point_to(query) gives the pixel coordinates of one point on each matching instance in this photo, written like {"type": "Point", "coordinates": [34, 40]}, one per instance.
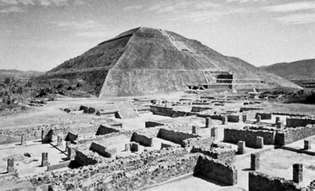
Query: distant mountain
{"type": "Point", "coordinates": [294, 71]}
{"type": "Point", "coordinates": [18, 74]}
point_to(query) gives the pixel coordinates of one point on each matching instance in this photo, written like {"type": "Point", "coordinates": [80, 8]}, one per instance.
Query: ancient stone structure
{"type": "Point", "coordinates": [68, 144]}
{"type": "Point", "coordinates": [249, 136]}
{"type": "Point", "coordinates": [121, 66]}
{"type": "Point", "coordinates": [208, 122]}
{"type": "Point", "coordinates": [290, 135]}
{"type": "Point", "coordinates": [260, 142]}
{"type": "Point", "coordinates": [194, 130]}
{"type": "Point", "coordinates": [244, 118]}
{"type": "Point", "coordinates": [44, 159]}
{"type": "Point", "coordinates": [263, 116]}
{"type": "Point", "coordinates": [224, 120]}
{"type": "Point", "coordinates": [214, 170]}
{"type": "Point", "coordinates": [233, 118]}
{"type": "Point", "coordinates": [221, 153]}
{"type": "Point", "coordinates": [214, 132]}
{"type": "Point", "coordinates": [277, 120]}
{"type": "Point", "coordinates": [149, 124]}
{"type": "Point", "coordinates": [59, 141]}
{"type": "Point", "coordinates": [175, 136]}
{"type": "Point", "coordinates": [299, 122]}
{"type": "Point", "coordinates": [101, 150]}
{"type": "Point", "coordinates": [134, 147]}
{"type": "Point", "coordinates": [71, 153]}
{"type": "Point", "coordinates": [23, 139]}
{"type": "Point", "coordinates": [71, 137]}
{"type": "Point", "coordinates": [258, 118]}
{"type": "Point", "coordinates": [307, 144]}
{"type": "Point", "coordinates": [241, 147]}
{"type": "Point", "coordinates": [10, 165]}
{"type": "Point", "coordinates": [255, 161]}
{"type": "Point", "coordinates": [104, 129]}
{"type": "Point", "coordinates": [142, 139]}
{"type": "Point", "coordinates": [261, 182]}
{"type": "Point", "coordinates": [297, 173]}
{"type": "Point", "coordinates": [48, 137]}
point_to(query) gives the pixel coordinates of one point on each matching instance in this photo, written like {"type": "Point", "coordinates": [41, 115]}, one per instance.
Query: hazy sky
{"type": "Point", "coordinates": [41, 34]}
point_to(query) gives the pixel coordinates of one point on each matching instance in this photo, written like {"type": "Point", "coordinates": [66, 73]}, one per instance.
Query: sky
{"type": "Point", "coordinates": [41, 34]}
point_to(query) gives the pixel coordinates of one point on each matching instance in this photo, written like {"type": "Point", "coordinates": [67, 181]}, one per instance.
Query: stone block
{"type": "Point", "coordinates": [297, 173]}
{"type": "Point", "coordinates": [241, 147]}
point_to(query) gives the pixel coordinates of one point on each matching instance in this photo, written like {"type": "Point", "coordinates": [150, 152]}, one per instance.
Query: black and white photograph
{"type": "Point", "coordinates": [157, 95]}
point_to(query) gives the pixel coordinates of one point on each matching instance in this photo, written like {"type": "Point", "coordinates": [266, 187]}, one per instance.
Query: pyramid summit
{"type": "Point", "coordinates": [147, 61]}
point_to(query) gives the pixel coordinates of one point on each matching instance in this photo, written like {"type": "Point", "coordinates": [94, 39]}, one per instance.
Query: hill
{"type": "Point", "coordinates": [18, 74]}
{"type": "Point", "coordinates": [301, 72]}
{"type": "Point", "coordinates": [147, 61]}
{"type": "Point", "coordinates": [298, 70]}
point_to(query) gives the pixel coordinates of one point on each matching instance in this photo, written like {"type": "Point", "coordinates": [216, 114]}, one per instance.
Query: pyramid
{"type": "Point", "coordinates": [147, 61]}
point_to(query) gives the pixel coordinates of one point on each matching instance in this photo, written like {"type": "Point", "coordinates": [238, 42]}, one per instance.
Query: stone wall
{"type": "Point", "coordinates": [223, 154]}
{"type": "Point", "coordinates": [103, 130]}
{"type": "Point", "coordinates": [58, 166]}
{"type": "Point", "coordinates": [233, 118]}
{"type": "Point", "coordinates": [71, 137]}
{"type": "Point", "coordinates": [290, 135]}
{"type": "Point", "coordinates": [262, 182]}
{"type": "Point", "coordinates": [82, 160]}
{"type": "Point", "coordinates": [124, 173]}
{"type": "Point", "coordinates": [214, 170]}
{"type": "Point", "coordinates": [141, 139]}
{"type": "Point", "coordinates": [299, 122]}
{"type": "Point", "coordinates": [34, 132]}
{"type": "Point", "coordinates": [175, 136]}
{"type": "Point", "coordinates": [101, 150]}
{"type": "Point", "coordinates": [149, 124]}
{"type": "Point", "coordinates": [249, 136]}
{"type": "Point", "coordinates": [264, 115]}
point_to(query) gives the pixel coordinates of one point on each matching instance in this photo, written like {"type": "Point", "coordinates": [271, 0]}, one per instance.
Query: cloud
{"type": "Point", "coordinates": [180, 5]}
{"type": "Point", "coordinates": [291, 7]}
{"type": "Point", "coordinates": [297, 18]}
{"type": "Point", "coordinates": [133, 7]}
{"type": "Point", "coordinates": [244, 1]}
{"type": "Point", "coordinates": [13, 9]}
{"type": "Point", "coordinates": [84, 28]}
{"type": "Point", "coordinates": [13, 6]}
{"type": "Point", "coordinates": [77, 25]}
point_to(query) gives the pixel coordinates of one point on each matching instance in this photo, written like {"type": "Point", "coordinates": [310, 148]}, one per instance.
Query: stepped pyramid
{"type": "Point", "coordinates": [148, 61]}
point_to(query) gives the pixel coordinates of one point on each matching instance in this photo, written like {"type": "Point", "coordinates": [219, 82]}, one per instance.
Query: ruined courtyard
{"type": "Point", "coordinates": [179, 141]}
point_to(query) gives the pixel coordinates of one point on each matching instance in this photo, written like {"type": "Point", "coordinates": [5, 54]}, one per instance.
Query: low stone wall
{"type": "Point", "coordinates": [71, 137]}
{"type": "Point", "coordinates": [223, 154]}
{"type": "Point", "coordinates": [142, 139]}
{"type": "Point", "coordinates": [170, 112]}
{"type": "Point", "coordinates": [82, 160]}
{"type": "Point", "coordinates": [214, 117]}
{"type": "Point", "coordinates": [101, 150]}
{"type": "Point", "coordinates": [233, 118]}
{"type": "Point", "coordinates": [58, 166]}
{"type": "Point", "coordinates": [134, 172]}
{"type": "Point", "coordinates": [290, 135]}
{"type": "Point", "coordinates": [214, 170]}
{"type": "Point", "coordinates": [199, 109]}
{"type": "Point", "coordinates": [149, 124]}
{"type": "Point", "coordinates": [289, 114]}
{"type": "Point", "coordinates": [175, 136]}
{"type": "Point", "coordinates": [249, 136]}
{"type": "Point", "coordinates": [103, 130]}
{"type": "Point", "coordinates": [299, 122]}
{"type": "Point", "coordinates": [264, 116]}
{"type": "Point", "coordinates": [262, 182]}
